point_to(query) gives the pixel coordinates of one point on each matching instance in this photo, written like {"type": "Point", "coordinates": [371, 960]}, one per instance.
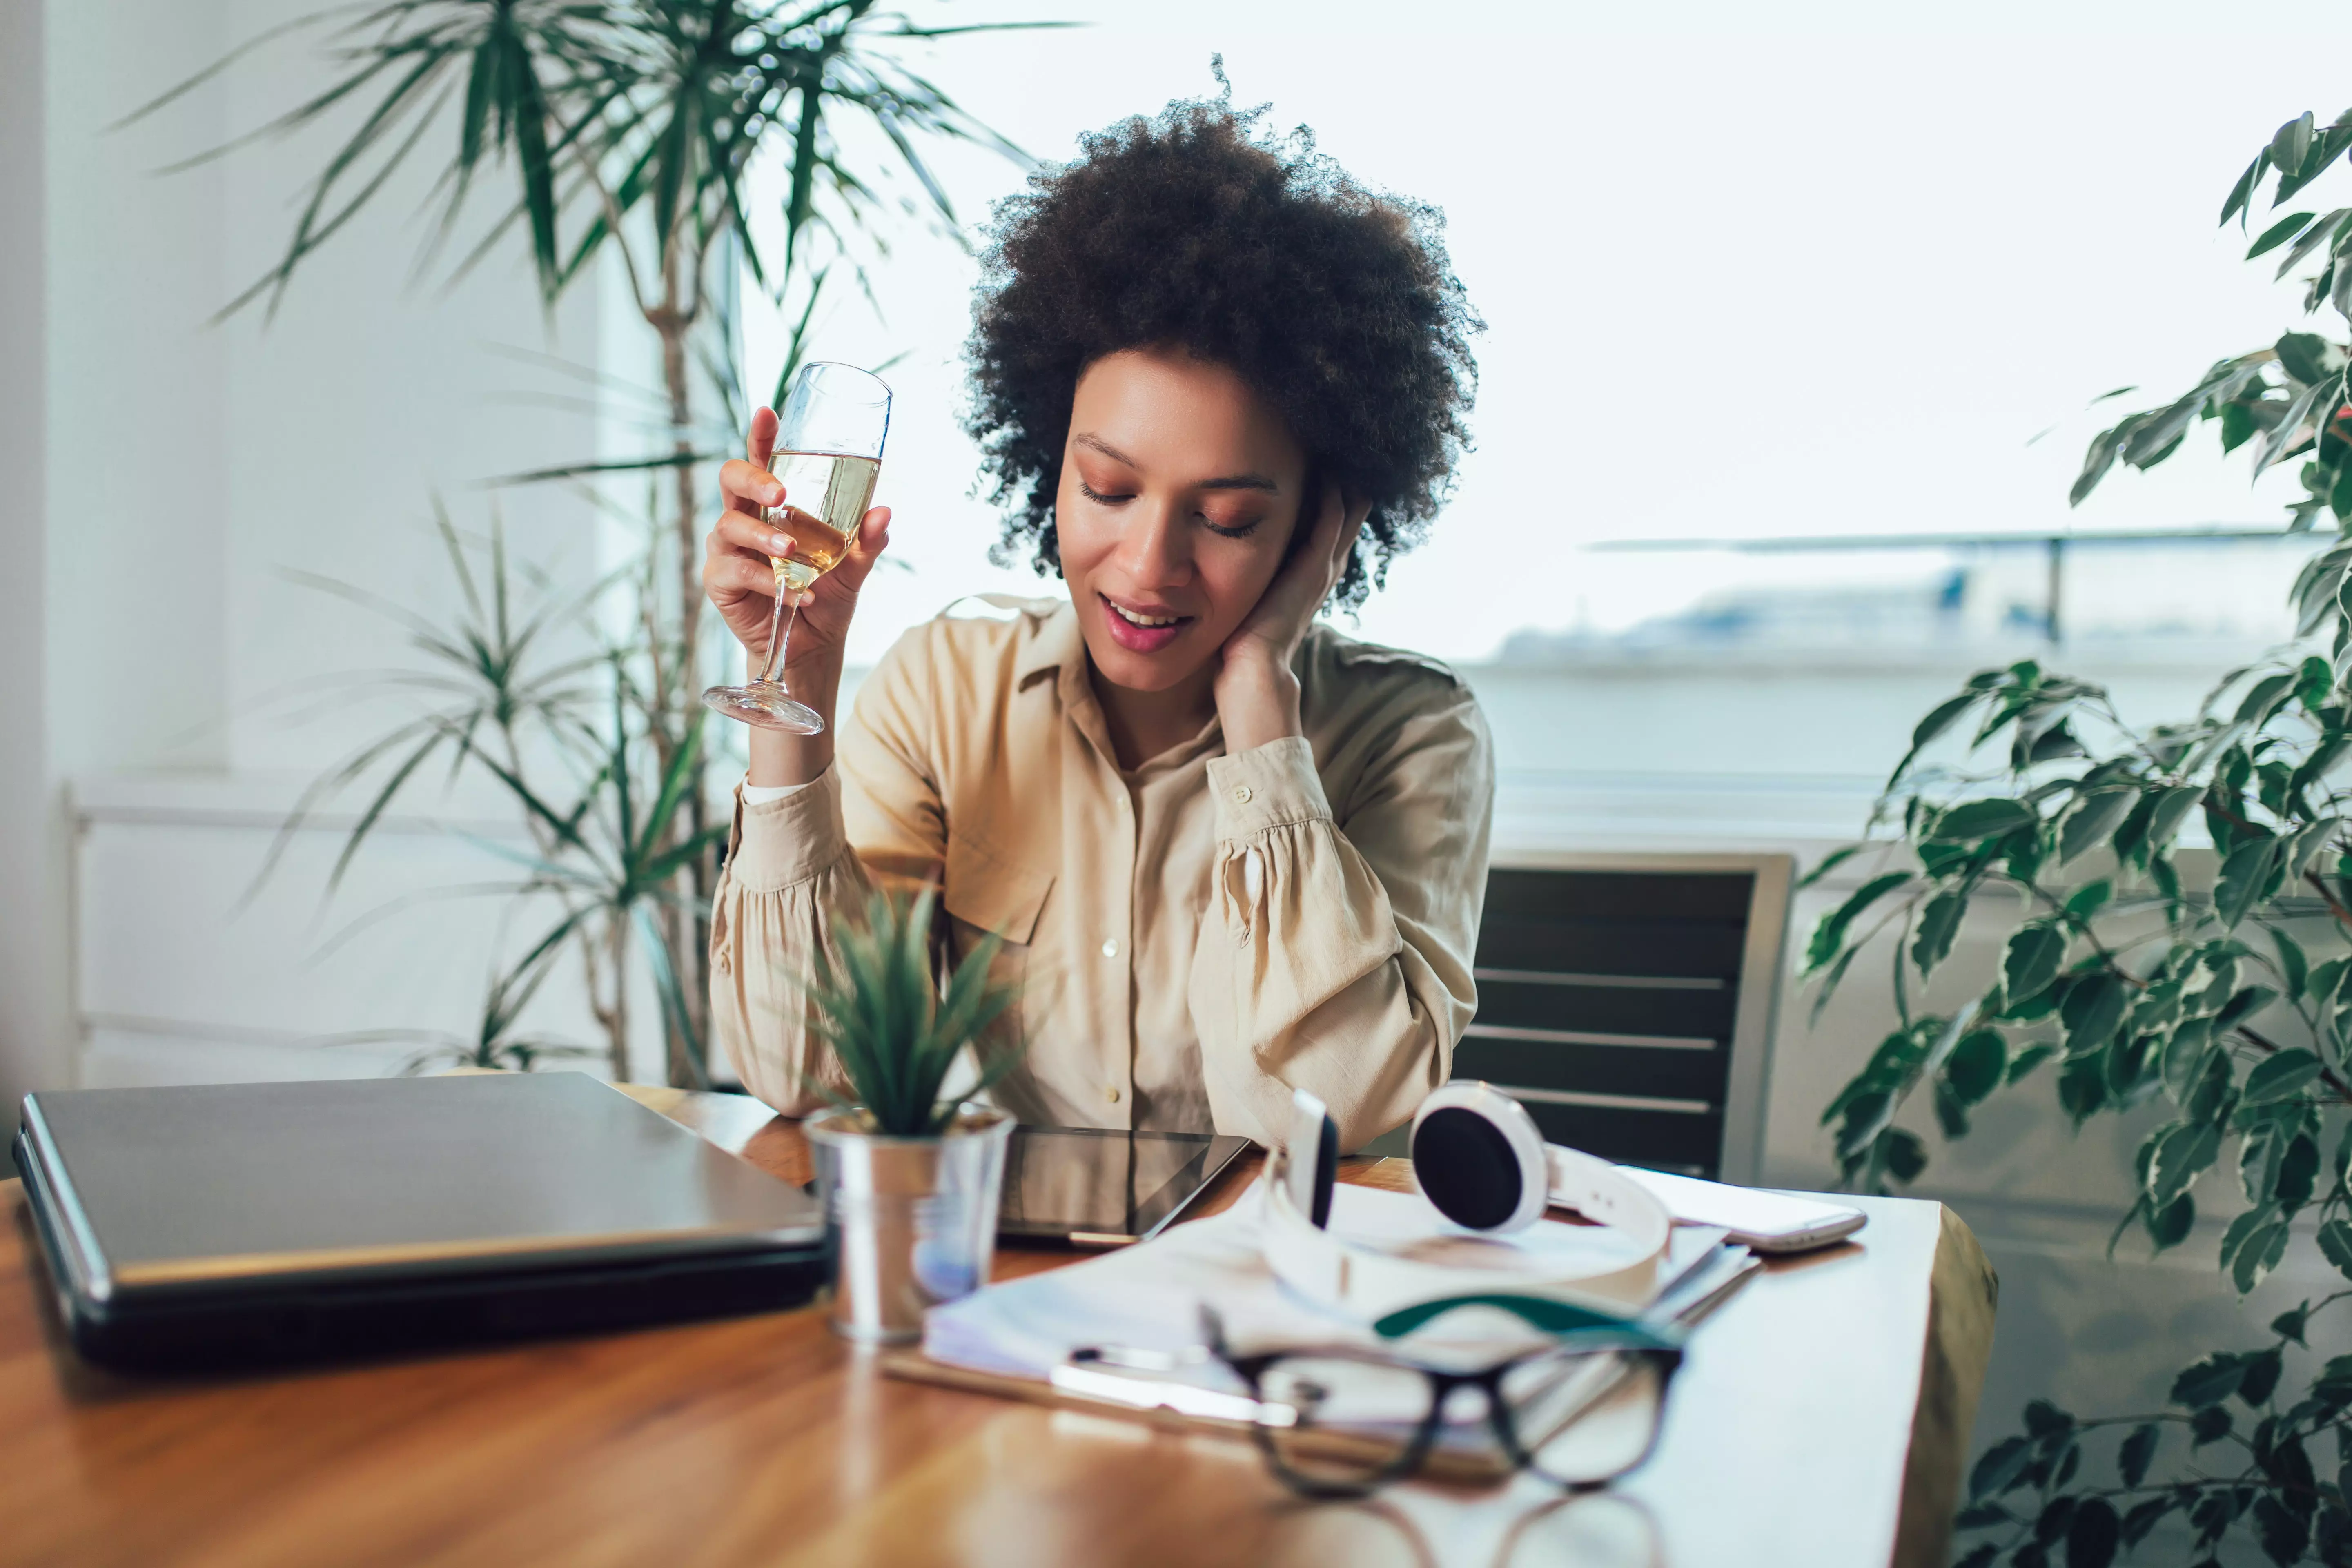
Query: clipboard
{"type": "Point", "coordinates": [1698, 1296]}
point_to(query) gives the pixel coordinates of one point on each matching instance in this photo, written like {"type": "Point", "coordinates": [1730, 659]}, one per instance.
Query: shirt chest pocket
{"type": "Point", "coordinates": [988, 896]}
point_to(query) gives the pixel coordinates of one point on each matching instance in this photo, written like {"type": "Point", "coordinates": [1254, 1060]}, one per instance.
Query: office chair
{"type": "Point", "coordinates": [1628, 1002]}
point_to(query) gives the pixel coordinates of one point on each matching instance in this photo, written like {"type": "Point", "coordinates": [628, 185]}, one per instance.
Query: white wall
{"type": "Point", "coordinates": [182, 470]}
{"type": "Point", "coordinates": [34, 999]}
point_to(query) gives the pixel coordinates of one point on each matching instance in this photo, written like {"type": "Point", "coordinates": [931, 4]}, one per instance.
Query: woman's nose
{"type": "Point", "coordinates": [1155, 549]}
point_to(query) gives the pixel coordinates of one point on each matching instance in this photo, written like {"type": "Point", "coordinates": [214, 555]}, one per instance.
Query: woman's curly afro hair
{"type": "Point", "coordinates": [1334, 303]}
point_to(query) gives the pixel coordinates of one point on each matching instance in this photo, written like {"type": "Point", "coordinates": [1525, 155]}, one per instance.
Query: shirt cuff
{"type": "Point", "coordinates": [1273, 785]}
{"type": "Point", "coordinates": [777, 844]}
{"type": "Point", "coordinates": [761, 794]}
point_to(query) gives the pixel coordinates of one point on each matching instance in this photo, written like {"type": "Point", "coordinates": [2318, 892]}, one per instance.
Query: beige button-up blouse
{"type": "Point", "coordinates": [1193, 939]}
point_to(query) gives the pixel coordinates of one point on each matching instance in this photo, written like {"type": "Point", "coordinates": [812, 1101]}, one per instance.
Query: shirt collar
{"type": "Point", "coordinates": [1057, 644]}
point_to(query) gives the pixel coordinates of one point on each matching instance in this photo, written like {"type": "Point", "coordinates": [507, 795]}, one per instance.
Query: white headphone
{"type": "Point", "coordinates": [1479, 1159]}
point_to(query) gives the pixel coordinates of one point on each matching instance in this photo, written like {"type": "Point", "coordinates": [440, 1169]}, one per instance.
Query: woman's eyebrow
{"type": "Point", "coordinates": [1228, 482]}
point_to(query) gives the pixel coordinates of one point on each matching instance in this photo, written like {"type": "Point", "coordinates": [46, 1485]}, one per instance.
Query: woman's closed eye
{"type": "Point", "coordinates": [1099, 498]}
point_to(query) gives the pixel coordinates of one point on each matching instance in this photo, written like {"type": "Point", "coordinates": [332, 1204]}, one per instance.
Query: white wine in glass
{"type": "Point", "coordinates": [828, 454]}
{"type": "Point", "coordinates": [824, 525]}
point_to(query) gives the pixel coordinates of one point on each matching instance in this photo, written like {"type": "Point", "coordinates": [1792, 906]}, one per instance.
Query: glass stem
{"type": "Point", "coordinates": [774, 675]}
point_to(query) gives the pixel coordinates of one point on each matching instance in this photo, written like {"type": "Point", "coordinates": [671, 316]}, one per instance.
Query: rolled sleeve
{"type": "Point", "coordinates": [1339, 961]}
{"type": "Point", "coordinates": [778, 844]}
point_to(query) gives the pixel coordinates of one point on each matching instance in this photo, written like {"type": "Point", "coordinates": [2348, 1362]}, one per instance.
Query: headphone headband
{"type": "Point", "coordinates": [1506, 1175]}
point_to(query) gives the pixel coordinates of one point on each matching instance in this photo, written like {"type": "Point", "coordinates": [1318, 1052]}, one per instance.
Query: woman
{"type": "Point", "coordinates": [1228, 852]}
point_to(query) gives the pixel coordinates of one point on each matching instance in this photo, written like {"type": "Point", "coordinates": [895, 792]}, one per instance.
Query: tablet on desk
{"type": "Point", "coordinates": [1088, 1186]}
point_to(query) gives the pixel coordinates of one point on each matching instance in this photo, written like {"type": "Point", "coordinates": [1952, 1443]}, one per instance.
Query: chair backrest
{"type": "Point", "coordinates": [1627, 1000]}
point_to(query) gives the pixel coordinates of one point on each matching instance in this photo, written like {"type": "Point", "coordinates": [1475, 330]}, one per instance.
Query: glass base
{"type": "Point", "coordinates": [766, 704]}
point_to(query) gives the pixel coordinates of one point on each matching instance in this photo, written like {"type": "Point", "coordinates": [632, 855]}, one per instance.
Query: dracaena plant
{"type": "Point", "coordinates": [895, 1030]}
{"type": "Point", "coordinates": [2224, 997]}
{"type": "Point", "coordinates": [632, 130]}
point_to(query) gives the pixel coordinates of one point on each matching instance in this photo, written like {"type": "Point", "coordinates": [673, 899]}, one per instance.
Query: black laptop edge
{"type": "Point", "coordinates": [296, 1319]}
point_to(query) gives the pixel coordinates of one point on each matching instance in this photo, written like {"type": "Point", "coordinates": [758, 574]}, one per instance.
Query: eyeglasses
{"type": "Point", "coordinates": [1341, 1421]}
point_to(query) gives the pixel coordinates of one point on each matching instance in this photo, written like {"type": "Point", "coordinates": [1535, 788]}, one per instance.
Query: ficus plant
{"type": "Point", "coordinates": [2137, 972]}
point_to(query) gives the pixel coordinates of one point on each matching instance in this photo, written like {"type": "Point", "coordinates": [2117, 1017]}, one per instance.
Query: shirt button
{"type": "Point", "coordinates": [1241, 794]}
{"type": "Point", "coordinates": [1110, 948]}
{"type": "Point", "coordinates": [1111, 1093]}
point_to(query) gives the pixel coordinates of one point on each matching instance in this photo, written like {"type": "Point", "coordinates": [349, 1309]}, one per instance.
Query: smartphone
{"type": "Point", "coordinates": [1769, 1222]}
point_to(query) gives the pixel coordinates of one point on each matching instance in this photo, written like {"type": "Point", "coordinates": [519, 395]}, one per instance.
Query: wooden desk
{"type": "Point", "coordinates": [1821, 1421]}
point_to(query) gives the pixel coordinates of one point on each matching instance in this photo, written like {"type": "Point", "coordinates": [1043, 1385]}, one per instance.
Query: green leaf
{"type": "Point", "coordinates": [2243, 191]}
{"type": "Point", "coordinates": [1939, 718]}
{"type": "Point", "coordinates": [2238, 425]}
{"type": "Point", "coordinates": [2298, 1172]}
{"type": "Point", "coordinates": [1829, 935]}
{"type": "Point", "coordinates": [2093, 1534]}
{"type": "Point", "coordinates": [2262, 698]}
{"type": "Point", "coordinates": [1980, 819]}
{"type": "Point", "coordinates": [2336, 1245]}
{"type": "Point", "coordinates": [2026, 1060]}
{"type": "Point", "coordinates": [2085, 903]}
{"type": "Point", "coordinates": [2034, 954]}
{"type": "Point", "coordinates": [2143, 1517]}
{"type": "Point", "coordinates": [2213, 1095]}
{"type": "Point", "coordinates": [1940, 922]}
{"type": "Point", "coordinates": [2292, 144]}
{"type": "Point", "coordinates": [1829, 863]}
{"type": "Point", "coordinates": [1906, 1156]}
{"type": "Point", "coordinates": [2284, 435]}
{"type": "Point", "coordinates": [2322, 231]}
{"type": "Point", "coordinates": [2001, 1468]}
{"type": "Point", "coordinates": [1975, 1066]}
{"type": "Point", "coordinates": [2262, 1369]}
{"type": "Point", "coordinates": [2100, 456]}
{"type": "Point", "coordinates": [2289, 1325]}
{"type": "Point", "coordinates": [2082, 1087]}
{"type": "Point", "coordinates": [2045, 1419]}
{"type": "Point", "coordinates": [2209, 1381]}
{"type": "Point", "coordinates": [2279, 233]}
{"type": "Point", "coordinates": [2092, 1009]}
{"type": "Point", "coordinates": [2293, 968]}
{"type": "Point", "coordinates": [2283, 1534]}
{"type": "Point", "coordinates": [2210, 1424]}
{"type": "Point", "coordinates": [2243, 1004]}
{"type": "Point", "coordinates": [2246, 876]}
{"type": "Point", "coordinates": [2172, 809]}
{"type": "Point", "coordinates": [2252, 1246]}
{"type": "Point", "coordinates": [2281, 1076]}
{"type": "Point", "coordinates": [2185, 1152]}
{"type": "Point", "coordinates": [2096, 816]}
{"type": "Point", "coordinates": [2169, 1226]}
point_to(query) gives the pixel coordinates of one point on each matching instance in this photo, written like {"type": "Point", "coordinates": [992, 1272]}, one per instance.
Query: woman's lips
{"type": "Point", "coordinates": [1139, 639]}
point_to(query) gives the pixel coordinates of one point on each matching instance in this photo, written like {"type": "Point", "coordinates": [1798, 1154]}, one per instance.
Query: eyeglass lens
{"type": "Point", "coordinates": [1342, 1425]}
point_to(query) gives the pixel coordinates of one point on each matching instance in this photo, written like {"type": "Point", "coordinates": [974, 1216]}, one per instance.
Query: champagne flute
{"type": "Point", "coordinates": [827, 455]}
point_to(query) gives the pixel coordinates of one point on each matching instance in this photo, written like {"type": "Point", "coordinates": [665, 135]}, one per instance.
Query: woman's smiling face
{"type": "Point", "coordinates": [1180, 492]}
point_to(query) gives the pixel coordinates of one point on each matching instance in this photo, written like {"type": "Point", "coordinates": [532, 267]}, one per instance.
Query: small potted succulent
{"type": "Point", "coordinates": [910, 1179]}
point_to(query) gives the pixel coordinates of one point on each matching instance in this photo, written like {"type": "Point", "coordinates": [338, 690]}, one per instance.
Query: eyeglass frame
{"type": "Point", "coordinates": [1252, 1370]}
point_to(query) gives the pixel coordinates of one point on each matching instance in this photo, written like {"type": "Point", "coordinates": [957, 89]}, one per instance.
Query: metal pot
{"type": "Point", "coordinates": [913, 1221]}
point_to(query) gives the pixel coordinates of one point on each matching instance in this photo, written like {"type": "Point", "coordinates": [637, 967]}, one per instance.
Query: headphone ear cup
{"type": "Point", "coordinates": [1326, 1171]}
{"type": "Point", "coordinates": [1478, 1158]}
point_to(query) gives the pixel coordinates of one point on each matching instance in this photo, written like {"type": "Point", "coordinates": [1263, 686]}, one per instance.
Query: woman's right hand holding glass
{"type": "Point", "coordinates": [739, 578]}
{"type": "Point", "coordinates": [738, 574]}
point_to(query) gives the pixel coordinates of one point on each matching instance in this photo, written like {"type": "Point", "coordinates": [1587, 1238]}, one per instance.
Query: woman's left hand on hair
{"type": "Point", "coordinates": [1256, 688]}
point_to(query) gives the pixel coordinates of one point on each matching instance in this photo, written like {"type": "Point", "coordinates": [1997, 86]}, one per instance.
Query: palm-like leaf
{"type": "Point", "coordinates": [607, 108]}
{"type": "Point", "coordinates": [896, 1034]}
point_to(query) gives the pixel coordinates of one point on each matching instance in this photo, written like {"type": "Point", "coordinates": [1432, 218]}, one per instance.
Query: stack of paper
{"type": "Point", "coordinates": [1148, 1299]}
